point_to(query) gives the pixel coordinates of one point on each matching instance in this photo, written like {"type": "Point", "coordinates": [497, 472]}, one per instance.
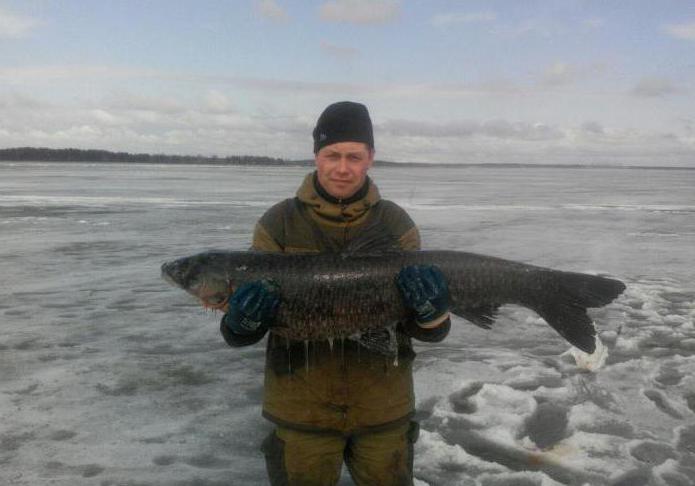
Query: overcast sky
{"type": "Point", "coordinates": [547, 81]}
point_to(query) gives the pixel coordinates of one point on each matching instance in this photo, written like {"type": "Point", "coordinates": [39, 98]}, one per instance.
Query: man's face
{"type": "Point", "coordinates": [342, 167]}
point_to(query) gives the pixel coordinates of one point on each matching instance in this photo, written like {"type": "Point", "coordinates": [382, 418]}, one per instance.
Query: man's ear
{"type": "Point", "coordinates": [371, 157]}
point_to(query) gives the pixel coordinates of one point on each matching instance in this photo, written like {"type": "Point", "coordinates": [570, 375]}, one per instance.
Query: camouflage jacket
{"type": "Point", "coordinates": [339, 386]}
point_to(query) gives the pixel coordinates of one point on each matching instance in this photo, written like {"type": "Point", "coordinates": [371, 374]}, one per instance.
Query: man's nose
{"type": "Point", "coordinates": [342, 165]}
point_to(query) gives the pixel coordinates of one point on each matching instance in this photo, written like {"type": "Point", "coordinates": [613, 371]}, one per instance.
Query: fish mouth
{"type": "Point", "coordinates": [209, 296]}
{"type": "Point", "coordinates": [169, 279]}
{"type": "Point", "coordinates": [215, 301]}
{"type": "Point", "coordinates": [171, 272]}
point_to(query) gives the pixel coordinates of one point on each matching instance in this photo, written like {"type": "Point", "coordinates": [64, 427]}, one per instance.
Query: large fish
{"type": "Point", "coordinates": [334, 295]}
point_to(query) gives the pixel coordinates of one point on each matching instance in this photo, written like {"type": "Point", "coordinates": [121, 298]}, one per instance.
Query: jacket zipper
{"type": "Point", "coordinates": [343, 207]}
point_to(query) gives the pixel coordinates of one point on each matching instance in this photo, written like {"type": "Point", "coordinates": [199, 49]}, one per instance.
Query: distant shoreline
{"type": "Point", "coordinates": [45, 155]}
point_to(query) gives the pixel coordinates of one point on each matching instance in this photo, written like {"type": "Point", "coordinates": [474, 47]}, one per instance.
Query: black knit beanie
{"type": "Point", "coordinates": [345, 121]}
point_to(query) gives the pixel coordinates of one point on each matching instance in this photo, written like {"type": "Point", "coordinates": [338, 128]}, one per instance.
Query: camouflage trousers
{"type": "Point", "coordinates": [381, 457]}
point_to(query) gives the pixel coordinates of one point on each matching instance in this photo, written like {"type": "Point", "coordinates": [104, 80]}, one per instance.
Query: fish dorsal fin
{"type": "Point", "coordinates": [483, 316]}
{"type": "Point", "coordinates": [371, 243]}
{"type": "Point", "coordinates": [371, 238]}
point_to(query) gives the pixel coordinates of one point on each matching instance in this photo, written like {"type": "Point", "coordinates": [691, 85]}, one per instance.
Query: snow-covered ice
{"type": "Point", "coordinates": [108, 376]}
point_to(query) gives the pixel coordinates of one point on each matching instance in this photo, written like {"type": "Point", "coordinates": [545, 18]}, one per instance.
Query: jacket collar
{"type": "Point", "coordinates": [337, 211]}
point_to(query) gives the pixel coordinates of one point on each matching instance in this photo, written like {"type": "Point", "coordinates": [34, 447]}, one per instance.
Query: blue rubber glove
{"type": "Point", "coordinates": [425, 291]}
{"type": "Point", "coordinates": [253, 307]}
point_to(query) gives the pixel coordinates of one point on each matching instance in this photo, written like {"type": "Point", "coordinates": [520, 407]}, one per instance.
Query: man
{"type": "Point", "coordinates": [343, 401]}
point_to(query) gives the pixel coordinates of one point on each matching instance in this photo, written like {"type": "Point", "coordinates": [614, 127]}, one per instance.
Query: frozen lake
{"type": "Point", "coordinates": [108, 376]}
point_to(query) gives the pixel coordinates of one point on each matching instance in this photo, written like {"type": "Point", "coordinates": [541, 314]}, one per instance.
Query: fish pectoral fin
{"type": "Point", "coordinates": [379, 340]}
{"type": "Point", "coordinates": [482, 316]}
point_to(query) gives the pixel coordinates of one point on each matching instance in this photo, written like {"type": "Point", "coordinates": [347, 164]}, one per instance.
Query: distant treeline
{"type": "Point", "coordinates": [33, 154]}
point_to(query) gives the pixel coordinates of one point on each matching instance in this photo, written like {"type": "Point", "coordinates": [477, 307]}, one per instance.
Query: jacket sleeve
{"type": "Point", "coordinates": [431, 335]}
{"type": "Point", "coordinates": [410, 241]}
{"type": "Point", "coordinates": [237, 340]}
{"type": "Point", "coordinates": [263, 240]}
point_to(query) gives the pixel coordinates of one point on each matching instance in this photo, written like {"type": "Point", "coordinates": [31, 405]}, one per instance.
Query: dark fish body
{"type": "Point", "coordinates": [331, 295]}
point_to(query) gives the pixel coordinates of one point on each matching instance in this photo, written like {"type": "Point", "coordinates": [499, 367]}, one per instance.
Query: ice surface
{"type": "Point", "coordinates": [111, 377]}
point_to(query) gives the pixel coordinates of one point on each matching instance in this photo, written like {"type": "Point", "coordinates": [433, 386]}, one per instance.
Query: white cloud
{"type": "Point", "coordinates": [21, 75]}
{"type": "Point", "coordinates": [564, 74]}
{"type": "Point", "coordinates": [15, 100]}
{"type": "Point", "coordinates": [160, 111]}
{"type": "Point", "coordinates": [69, 75]}
{"type": "Point", "coordinates": [681, 31]}
{"type": "Point", "coordinates": [340, 53]}
{"type": "Point", "coordinates": [136, 123]}
{"type": "Point", "coordinates": [540, 27]}
{"type": "Point", "coordinates": [135, 102]}
{"type": "Point", "coordinates": [216, 102]}
{"type": "Point", "coordinates": [548, 27]}
{"type": "Point", "coordinates": [105, 117]}
{"type": "Point", "coordinates": [360, 11]}
{"type": "Point", "coordinates": [442, 20]}
{"type": "Point", "coordinates": [655, 87]}
{"type": "Point", "coordinates": [558, 74]}
{"type": "Point", "coordinates": [195, 130]}
{"type": "Point", "coordinates": [589, 143]}
{"type": "Point", "coordinates": [497, 128]}
{"type": "Point", "coordinates": [14, 25]}
{"type": "Point", "coordinates": [594, 23]}
{"type": "Point", "coordinates": [292, 86]}
{"type": "Point", "coordinates": [270, 9]}
{"type": "Point", "coordinates": [593, 128]}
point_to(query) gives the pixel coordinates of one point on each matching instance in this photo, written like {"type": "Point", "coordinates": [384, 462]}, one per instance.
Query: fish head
{"type": "Point", "coordinates": [203, 276]}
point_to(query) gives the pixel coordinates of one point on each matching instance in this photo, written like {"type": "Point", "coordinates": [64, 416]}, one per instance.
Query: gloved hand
{"type": "Point", "coordinates": [425, 291]}
{"type": "Point", "coordinates": [253, 307]}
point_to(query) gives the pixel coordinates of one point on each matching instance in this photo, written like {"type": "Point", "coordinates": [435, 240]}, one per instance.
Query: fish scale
{"type": "Point", "coordinates": [334, 295]}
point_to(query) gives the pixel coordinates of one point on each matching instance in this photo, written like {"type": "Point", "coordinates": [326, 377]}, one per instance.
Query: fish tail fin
{"type": "Point", "coordinates": [590, 290]}
{"type": "Point", "coordinates": [566, 310]}
{"type": "Point", "coordinates": [572, 322]}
